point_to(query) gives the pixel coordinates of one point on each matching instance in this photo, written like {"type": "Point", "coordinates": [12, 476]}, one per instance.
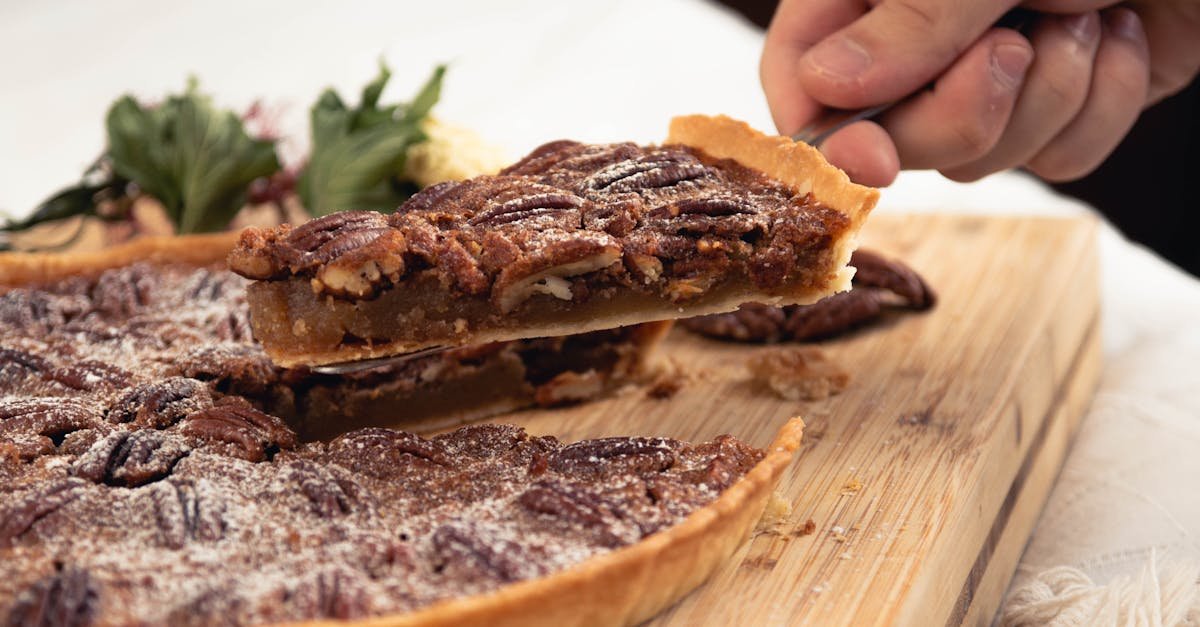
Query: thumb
{"type": "Point", "coordinates": [894, 50]}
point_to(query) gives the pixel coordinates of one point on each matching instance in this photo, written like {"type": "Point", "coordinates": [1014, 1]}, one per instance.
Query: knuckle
{"type": "Point", "coordinates": [974, 136]}
{"type": "Point", "coordinates": [1128, 79]}
{"type": "Point", "coordinates": [920, 16]}
{"type": "Point", "coordinates": [1058, 165]}
{"type": "Point", "coordinates": [1068, 89]}
{"type": "Point", "coordinates": [966, 174]}
{"type": "Point", "coordinates": [1169, 80]}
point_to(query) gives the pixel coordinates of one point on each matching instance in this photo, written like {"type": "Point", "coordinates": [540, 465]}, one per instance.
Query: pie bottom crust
{"type": "Point", "coordinates": [629, 585]}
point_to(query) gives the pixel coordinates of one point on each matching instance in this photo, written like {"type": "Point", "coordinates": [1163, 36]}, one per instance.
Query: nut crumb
{"type": "Point", "coordinates": [807, 529]}
{"type": "Point", "coordinates": [669, 380]}
{"type": "Point", "coordinates": [798, 373]}
{"type": "Point", "coordinates": [852, 487]}
{"type": "Point", "coordinates": [775, 512]}
{"type": "Point", "coordinates": [664, 387]}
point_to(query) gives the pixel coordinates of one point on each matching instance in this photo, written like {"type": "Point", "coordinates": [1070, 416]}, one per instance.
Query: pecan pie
{"type": "Point", "coordinates": [571, 238]}
{"type": "Point", "coordinates": [164, 307]}
{"type": "Point", "coordinates": [148, 477]}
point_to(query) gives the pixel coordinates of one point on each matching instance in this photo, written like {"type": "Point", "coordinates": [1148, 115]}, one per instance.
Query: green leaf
{"type": "Point", "coordinates": [370, 93]}
{"type": "Point", "coordinates": [76, 200]}
{"type": "Point", "coordinates": [197, 160]}
{"type": "Point", "coordinates": [358, 154]}
{"type": "Point", "coordinates": [427, 97]}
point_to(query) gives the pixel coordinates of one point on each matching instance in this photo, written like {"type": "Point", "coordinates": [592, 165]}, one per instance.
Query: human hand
{"type": "Point", "coordinates": [1056, 100]}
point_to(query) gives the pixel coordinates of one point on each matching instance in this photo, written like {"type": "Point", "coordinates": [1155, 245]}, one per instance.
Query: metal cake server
{"type": "Point", "coordinates": [347, 367]}
{"type": "Point", "coordinates": [835, 120]}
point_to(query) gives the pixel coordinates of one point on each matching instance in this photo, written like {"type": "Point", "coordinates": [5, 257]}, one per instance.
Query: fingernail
{"type": "Point", "coordinates": [1084, 27]}
{"type": "Point", "coordinates": [1009, 62]}
{"type": "Point", "coordinates": [841, 58]}
{"type": "Point", "coordinates": [1125, 23]}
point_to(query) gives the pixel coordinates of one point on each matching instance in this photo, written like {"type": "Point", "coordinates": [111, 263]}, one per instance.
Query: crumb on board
{"type": "Point", "coordinates": [664, 386]}
{"type": "Point", "coordinates": [670, 379]}
{"type": "Point", "coordinates": [851, 487]}
{"type": "Point", "coordinates": [807, 529]}
{"type": "Point", "coordinates": [775, 513]}
{"type": "Point", "coordinates": [798, 373]}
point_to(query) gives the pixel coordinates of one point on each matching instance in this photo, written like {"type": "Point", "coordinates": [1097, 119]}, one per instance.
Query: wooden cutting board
{"type": "Point", "coordinates": [925, 477]}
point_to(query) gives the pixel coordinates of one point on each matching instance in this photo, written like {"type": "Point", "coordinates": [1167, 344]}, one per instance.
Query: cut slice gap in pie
{"type": "Point", "coordinates": [165, 308]}
{"type": "Point", "coordinates": [571, 238]}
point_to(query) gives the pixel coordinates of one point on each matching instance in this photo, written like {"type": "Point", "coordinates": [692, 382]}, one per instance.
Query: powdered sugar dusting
{"type": "Point", "coordinates": [140, 484]}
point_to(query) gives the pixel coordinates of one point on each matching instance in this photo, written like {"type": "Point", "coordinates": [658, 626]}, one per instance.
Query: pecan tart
{"type": "Point", "coordinates": [148, 478]}
{"type": "Point", "coordinates": [571, 238]}
{"type": "Point", "coordinates": [167, 307]}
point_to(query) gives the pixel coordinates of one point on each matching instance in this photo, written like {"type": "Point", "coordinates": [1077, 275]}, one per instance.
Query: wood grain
{"type": "Point", "coordinates": [955, 424]}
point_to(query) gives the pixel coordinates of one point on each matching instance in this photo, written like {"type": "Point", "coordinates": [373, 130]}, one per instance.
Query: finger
{"type": "Point", "coordinates": [962, 117]}
{"type": "Point", "coordinates": [796, 27]}
{"type": "Point", "coordinates": [1120, 83]}
{"type": "Point", "coordinates": [866, 153]}
{"type": "Point", "coordinates": [1068, 7]}
{"type": "Point", "coordinates": [1055, 90]}
{"type": "Point", "coordinates": [894, 50]}
{"type": "Point", "coordinates": [1172, 28]}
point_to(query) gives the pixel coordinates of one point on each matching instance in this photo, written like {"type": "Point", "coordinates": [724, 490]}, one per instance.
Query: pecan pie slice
{"type": "Point", "coordinates": [571, 238]}
{"type": "Point", "coordinates": [166, 307]}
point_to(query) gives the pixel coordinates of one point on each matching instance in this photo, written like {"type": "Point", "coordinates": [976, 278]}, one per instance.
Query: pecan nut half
{"type": "Point", "coordinates": [464, 553]}
{"type": "Point", "coordinates": [332, 593]}
{"type": "Point", "coordinates": [50, 417]}
{"type": "Point", "coordinates": [626, 454]}
{"type": "Point", "coordinates": [579, 507]}
{"type": "Point", "coordinates": [130, 459]}
{"type": "Point", "coordinates": [160, 404]}
{"type": "Point", "coordinates": [187, 511]}
{"type": "Point", "coordinates": [244, 431]}
{"type": "Point", "coordinates": [68, 598]}
{"type": "Point", "coordinates": [18, 513]}
{"type": "Point", "coordinates": [376, 450]}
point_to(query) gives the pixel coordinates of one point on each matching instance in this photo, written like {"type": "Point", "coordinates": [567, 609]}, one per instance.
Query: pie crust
{"type": "Point", "coordinates": [24, 268]}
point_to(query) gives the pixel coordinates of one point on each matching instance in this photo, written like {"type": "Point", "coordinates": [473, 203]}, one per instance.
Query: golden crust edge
{"type": "Point", "coordinates": [794, 163]}
{"type": "Point", "coordinates": [626, 586]}
{"type": "Point", "coordinates": [20, 268]}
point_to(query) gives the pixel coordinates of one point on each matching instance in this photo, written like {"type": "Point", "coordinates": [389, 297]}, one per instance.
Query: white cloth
{"type": "Point", "coordinates": [526, 72]}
